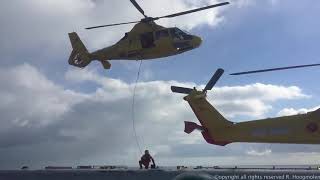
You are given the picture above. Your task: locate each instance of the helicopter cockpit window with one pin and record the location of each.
(162, 33)
(176, 33)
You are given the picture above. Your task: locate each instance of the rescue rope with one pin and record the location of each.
(132, 108)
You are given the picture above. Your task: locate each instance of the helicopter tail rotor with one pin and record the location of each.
(181, 90)
(80, 57)
(214, 79)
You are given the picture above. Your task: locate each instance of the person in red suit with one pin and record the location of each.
(145, 160)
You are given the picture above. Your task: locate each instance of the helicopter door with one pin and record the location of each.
(134, 47)
(147, 40)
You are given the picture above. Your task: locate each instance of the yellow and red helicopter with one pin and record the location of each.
(146, 40)
(216, 129)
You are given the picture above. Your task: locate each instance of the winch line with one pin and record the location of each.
(132, 108)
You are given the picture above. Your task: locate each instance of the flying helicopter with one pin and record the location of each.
(217, 130)
(146, 40)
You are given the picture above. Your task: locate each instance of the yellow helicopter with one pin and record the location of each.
(146, 40)
(216, 129)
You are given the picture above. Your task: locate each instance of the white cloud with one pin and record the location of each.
(29, 98)
(292, 111)
(75, 121)
(253, 152)
(249, 100)
(252, 100)
(266, 92)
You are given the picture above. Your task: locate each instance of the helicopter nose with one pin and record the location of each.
(196, 41)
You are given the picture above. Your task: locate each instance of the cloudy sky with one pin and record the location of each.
(55, 114)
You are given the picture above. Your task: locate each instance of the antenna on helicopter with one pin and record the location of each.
(209, 86)
(150, 19)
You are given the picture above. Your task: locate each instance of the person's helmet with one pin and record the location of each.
(146, 152)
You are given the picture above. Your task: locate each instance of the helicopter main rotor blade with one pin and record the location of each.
(274, 69)
(94, 27)
(181, 90)
(191, 11)
(138, 7)
(214, 79)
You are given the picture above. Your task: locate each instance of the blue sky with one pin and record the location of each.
(49, 107)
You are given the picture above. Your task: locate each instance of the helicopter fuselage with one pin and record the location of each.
(149, 41)
(146, 40)
(294, 129)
